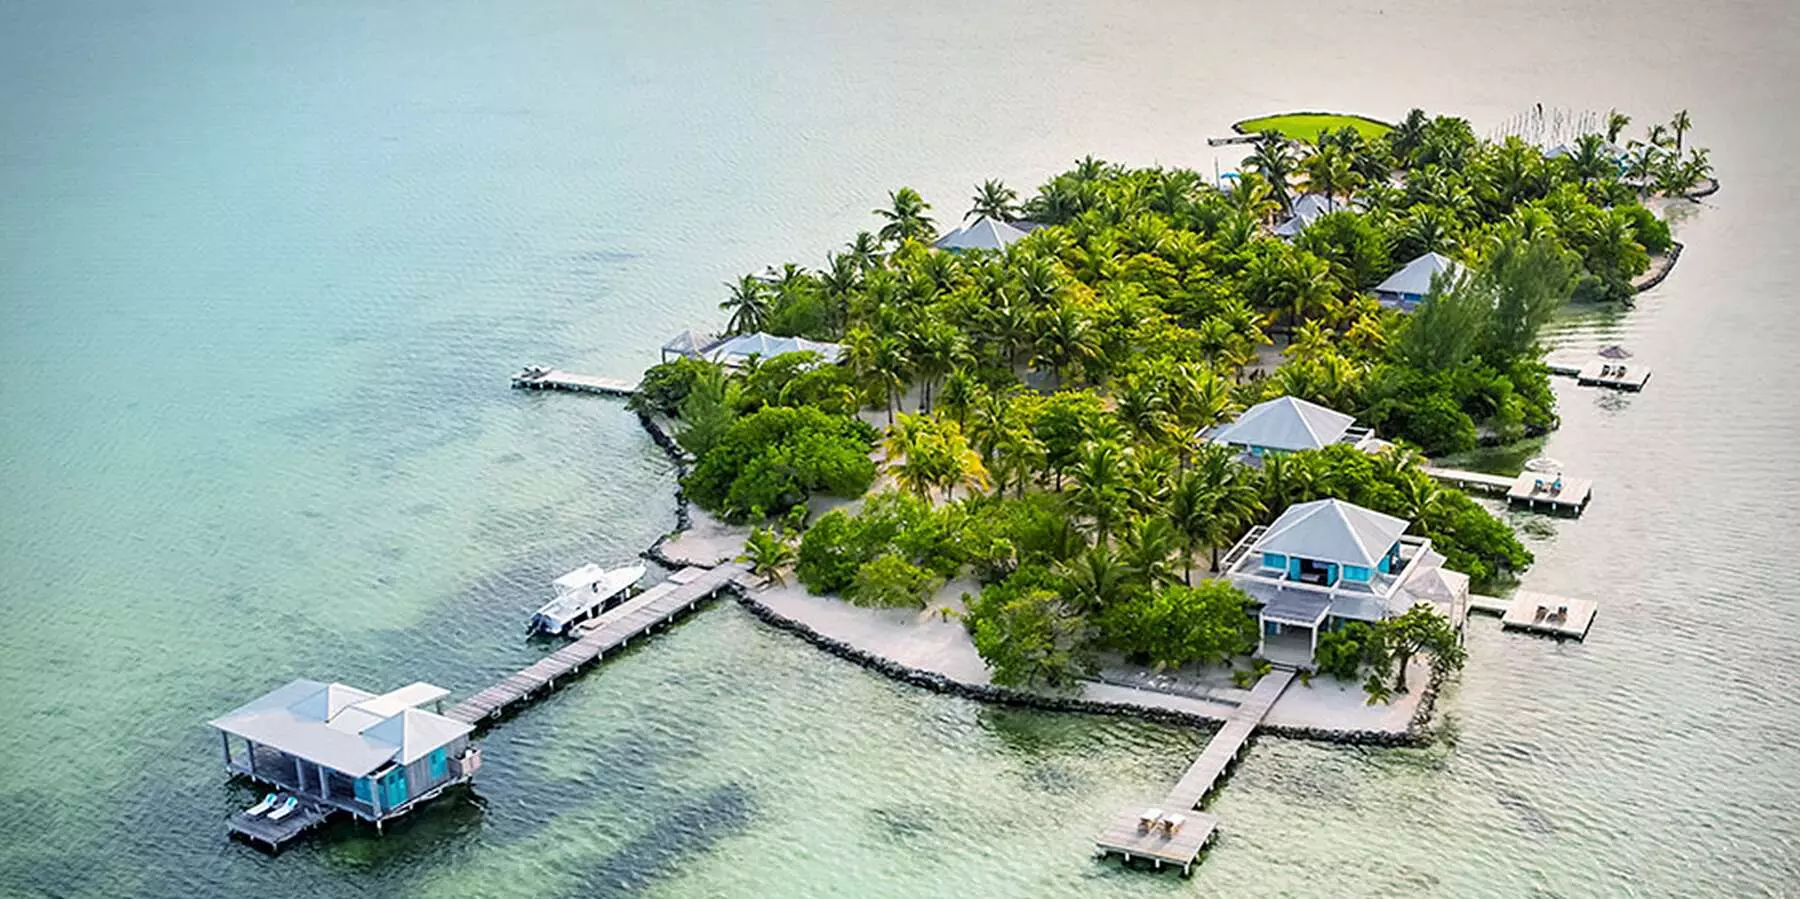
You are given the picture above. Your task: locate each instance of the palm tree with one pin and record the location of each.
(1591, 160)
(1408, 135)
(1421, 500)
(905, 217)
(1145, 550)
(864, 251)
(1190, 512)
(1273, 159)
(891, 368)
(1615, 123)
(1018, 456)
(1100, 488)
(1096, 579)
(1328, 172)
(994, 200)
(1066, 339)
(768, 555)
(1253, 196)
(749, 305)
(1680, 125)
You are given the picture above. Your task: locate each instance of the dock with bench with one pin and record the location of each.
(1540, 613)
(533, 377)
(1177, 831)
(609, 631)
(1532, 489)
(1602, 373)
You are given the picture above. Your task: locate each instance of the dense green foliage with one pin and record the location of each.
(777, 457)
(1384, 649)
(1061, 383)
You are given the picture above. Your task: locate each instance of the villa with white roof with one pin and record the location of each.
(1289, 424)
(1406, 289)
(1327, 562)
(334, 748)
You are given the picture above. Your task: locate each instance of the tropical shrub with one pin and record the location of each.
(778, 457)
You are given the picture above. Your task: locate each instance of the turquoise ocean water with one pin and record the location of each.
(264, 269)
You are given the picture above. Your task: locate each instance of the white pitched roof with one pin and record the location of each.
(1415, 277)
(1306, 210)
(341, 727)
(982, 234)
(768, 346)
(1331, 530)
(1286, 423)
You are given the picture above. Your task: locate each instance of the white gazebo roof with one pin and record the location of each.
(1286, 423)
(1415, 278)
(1331, 530)
(736, 349)
(982, 234)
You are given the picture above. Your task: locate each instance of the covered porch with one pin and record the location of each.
(1288, 624)
(309, 781)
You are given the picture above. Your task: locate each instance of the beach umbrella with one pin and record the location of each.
(1615, 352)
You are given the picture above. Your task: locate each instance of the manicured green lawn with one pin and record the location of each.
(1305, 126)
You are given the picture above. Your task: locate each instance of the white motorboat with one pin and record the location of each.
(583, 593)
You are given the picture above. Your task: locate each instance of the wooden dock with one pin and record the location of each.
(1540, 613)
(1532, 489)
(1605, 373)
(535, 378)
(613, 629)
(273, 835)
(1613, 375)
(1132, 836)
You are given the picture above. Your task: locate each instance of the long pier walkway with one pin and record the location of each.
(536, 378)
(1146, 834)
(612, 630)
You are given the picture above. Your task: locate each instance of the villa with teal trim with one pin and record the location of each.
(1288, 424)
(1327, 562)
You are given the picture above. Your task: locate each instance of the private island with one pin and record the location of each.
(1142, 443)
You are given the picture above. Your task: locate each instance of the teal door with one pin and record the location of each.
(440, 765)
(393, 789)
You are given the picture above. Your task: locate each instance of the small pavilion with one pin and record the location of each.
(1307, 210)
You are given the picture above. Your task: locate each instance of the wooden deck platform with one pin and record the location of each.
(273, 835)
(1522, 489)
(1573, 497)
(612, 629)
(1128, 837)
(1522, 614)
(534, 378)
(1627, 376)
(1589, 374)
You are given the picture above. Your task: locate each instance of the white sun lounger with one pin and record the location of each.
(285, 809)
(268, 802)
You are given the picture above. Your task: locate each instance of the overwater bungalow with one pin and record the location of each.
(331, 748)
(1406, 289)
(1327, 562)
(1289, 424)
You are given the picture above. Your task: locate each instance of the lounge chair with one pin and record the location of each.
(268, 802)
(1537, 486)
(1542, 613)
(285, 809)
(1172, 824)
(1562, 613)
(1150, 819)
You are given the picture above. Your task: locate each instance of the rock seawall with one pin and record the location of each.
(1414, 735)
